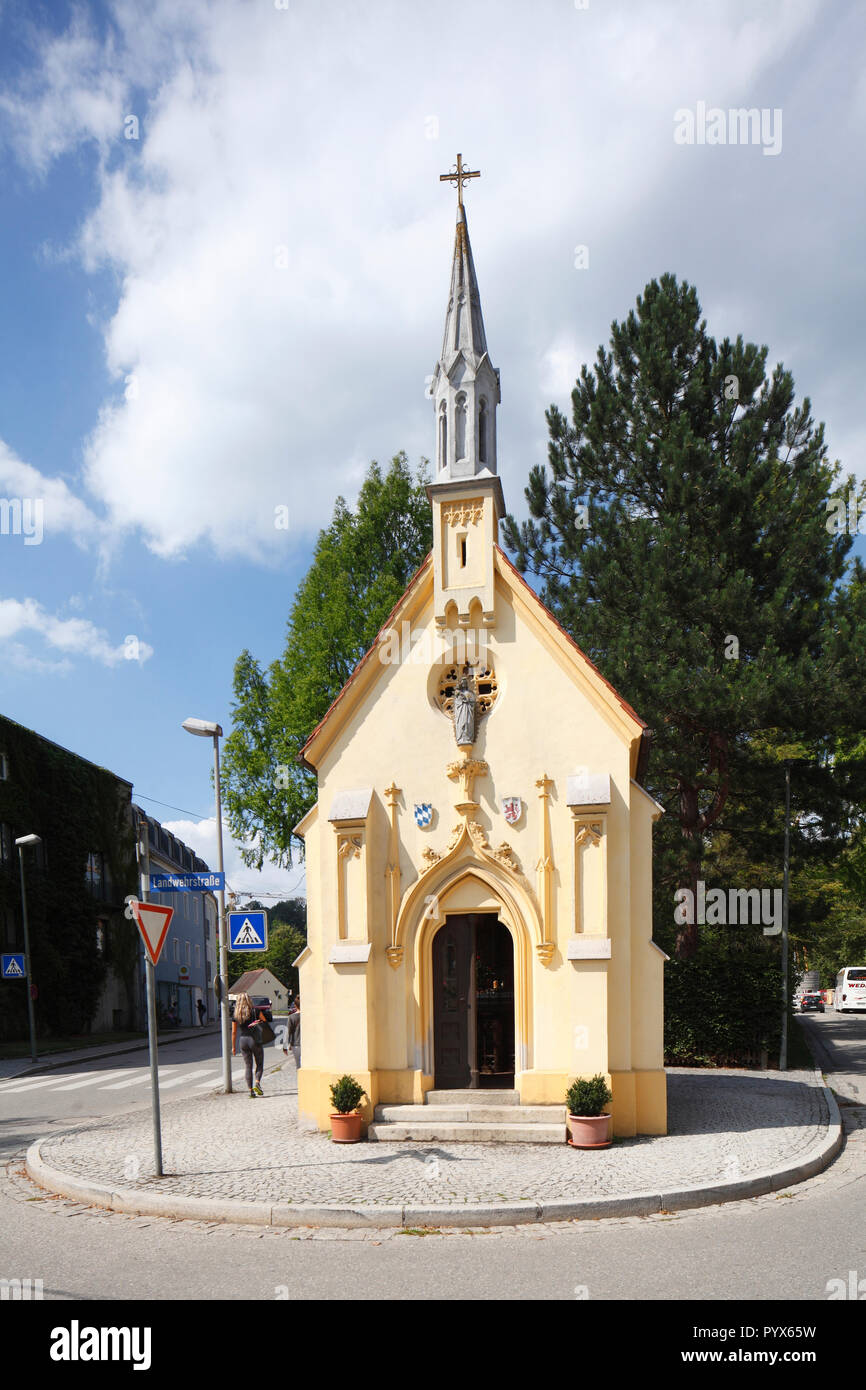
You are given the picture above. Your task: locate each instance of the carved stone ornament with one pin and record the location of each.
(467, 513)
(588, 834)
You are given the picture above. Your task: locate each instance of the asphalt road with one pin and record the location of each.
(31, 1106)
(782, 1246)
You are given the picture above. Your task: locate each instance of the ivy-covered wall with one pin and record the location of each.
(78, 809)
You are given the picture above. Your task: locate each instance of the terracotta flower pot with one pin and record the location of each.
(346, 1129)
(589, 1131)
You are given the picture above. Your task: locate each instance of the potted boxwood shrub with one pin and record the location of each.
(346, 1096)
(590, 1127)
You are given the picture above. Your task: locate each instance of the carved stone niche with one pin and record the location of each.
(588, 798)
(349, 815)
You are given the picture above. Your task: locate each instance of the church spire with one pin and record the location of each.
(465, 383)
(467, 493)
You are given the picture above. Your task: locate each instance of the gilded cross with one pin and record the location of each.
(458, 176)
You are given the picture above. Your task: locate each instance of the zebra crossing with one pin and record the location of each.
(123, 1078)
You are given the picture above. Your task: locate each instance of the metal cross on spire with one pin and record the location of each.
(458, 176)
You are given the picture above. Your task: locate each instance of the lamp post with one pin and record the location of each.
(783, 1049)
(202, 728)
(21, 843)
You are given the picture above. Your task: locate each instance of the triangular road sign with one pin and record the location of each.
(247, 936)
(153, 920)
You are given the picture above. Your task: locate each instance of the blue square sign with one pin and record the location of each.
(248, 931)
(14, 966)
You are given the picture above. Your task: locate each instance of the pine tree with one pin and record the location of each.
(683, 537)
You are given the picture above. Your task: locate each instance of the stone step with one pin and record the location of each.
(473, 1098)
(466, 1114)
(475, 1131)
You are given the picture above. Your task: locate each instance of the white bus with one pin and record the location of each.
(850, 993)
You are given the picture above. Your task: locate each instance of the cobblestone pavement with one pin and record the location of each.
(15, 1185)
(724, 1125)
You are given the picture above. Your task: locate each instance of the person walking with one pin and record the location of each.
(243, 1025)
(201, 1011)
(295, 1022)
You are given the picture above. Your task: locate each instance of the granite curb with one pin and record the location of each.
(133, 1201)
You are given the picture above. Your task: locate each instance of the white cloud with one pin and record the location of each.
(20, 658)
(272, 133)
(271, 881)
(73, 636)
(64, 514)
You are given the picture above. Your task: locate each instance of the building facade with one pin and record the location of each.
(188, 963)
(83, 952)
(479, 859)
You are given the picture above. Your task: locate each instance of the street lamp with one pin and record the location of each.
(22, 842)
(203, 728)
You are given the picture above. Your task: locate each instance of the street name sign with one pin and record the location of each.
(153, 921)
(14, 967)
(187, 883)
(248, 931)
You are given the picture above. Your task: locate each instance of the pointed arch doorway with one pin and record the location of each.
(473, 1003)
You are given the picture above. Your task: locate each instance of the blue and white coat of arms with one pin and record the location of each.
(423, 813)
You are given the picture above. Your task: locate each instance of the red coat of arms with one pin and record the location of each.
(512, 807)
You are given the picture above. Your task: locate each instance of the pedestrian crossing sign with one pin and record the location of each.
(248, 931)
(14, 967)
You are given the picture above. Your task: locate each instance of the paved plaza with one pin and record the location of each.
(725, 1127)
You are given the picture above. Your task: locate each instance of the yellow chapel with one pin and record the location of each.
(479, 859)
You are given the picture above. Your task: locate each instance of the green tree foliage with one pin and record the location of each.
(681, 535)
(361, 565)
(723, 1006)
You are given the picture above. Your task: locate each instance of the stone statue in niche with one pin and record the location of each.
(464, 713)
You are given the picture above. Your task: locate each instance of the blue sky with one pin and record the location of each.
(237, 308)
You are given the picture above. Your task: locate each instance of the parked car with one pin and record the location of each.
(812, 999)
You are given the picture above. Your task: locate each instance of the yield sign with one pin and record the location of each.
(153, 920)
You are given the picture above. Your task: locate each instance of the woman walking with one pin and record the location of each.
(244, 1024)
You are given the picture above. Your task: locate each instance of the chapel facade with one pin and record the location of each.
(479, 859)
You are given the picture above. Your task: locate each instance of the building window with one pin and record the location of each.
(197, 956)
(482, 431)
(94, 874)
(443, 435)
(6, 844)
(460, 427)
(187, 952)
(100, 937)
(175, 950)
(4, 768)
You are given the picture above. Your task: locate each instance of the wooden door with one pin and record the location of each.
(453, 1004)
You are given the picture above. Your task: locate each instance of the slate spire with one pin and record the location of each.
(465, 383)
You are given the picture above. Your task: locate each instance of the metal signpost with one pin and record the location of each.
(153, 922)
(205, 728)
(783, 1049)
(22, 842)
